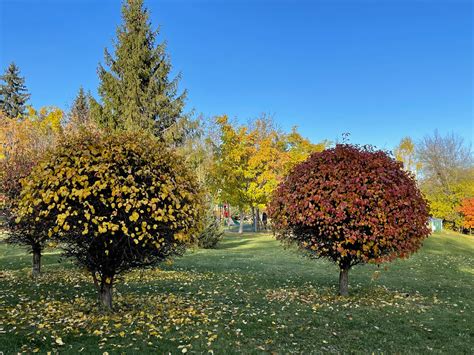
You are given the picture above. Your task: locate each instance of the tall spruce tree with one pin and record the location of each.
(136, 88)
(13, 92)
(80, 111)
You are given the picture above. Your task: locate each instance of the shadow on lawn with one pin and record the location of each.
(233, 244)
(254, 241)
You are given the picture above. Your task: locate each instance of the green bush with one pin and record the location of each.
(212, 232)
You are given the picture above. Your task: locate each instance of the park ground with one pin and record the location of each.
(249, 295)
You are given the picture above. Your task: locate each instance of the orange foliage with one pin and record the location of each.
(23, 142)
(467, 209)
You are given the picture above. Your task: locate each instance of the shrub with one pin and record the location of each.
(351, 205)
(212, 233)
(114, 201)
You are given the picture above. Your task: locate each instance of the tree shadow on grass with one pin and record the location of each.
(237, 243)
(253, 243)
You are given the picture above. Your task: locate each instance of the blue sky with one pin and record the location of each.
(380, 70)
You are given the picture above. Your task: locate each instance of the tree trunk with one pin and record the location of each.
(36, 262)
(258, 219)
(254, 216)
(344, 282)
(106, 296)
(241, 221)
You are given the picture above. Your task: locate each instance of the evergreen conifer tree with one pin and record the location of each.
(80, 111)
(135, 88)
(13, 92)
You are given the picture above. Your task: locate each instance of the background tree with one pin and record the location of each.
(251, 160)
(80, 111)
(230, 177)
(198, 150)
(467, 210)
(199, 156)
(405, 152)
(13, 92)
(25, 142)
(298, 149)
(447, 175)
(351, 205)
(136, 89)
(115, 201)
(266, 164)
(444, 158)
(274, 155)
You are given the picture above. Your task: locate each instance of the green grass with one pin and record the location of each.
(248, 296)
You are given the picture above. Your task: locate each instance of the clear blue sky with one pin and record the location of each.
(380, 70)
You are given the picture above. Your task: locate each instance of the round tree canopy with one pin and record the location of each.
(114, 201)
(352, 205)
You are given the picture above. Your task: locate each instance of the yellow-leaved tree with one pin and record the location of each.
(114, 201)
(251, 160)
(230, 179)
(406, 153)
(447, 175)
(274, 155)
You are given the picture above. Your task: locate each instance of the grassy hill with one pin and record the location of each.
(250, 295)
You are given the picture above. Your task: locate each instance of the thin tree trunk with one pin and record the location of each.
(106, 296)
(258, 219)
(254, 217)
(241, 221)
(344, 282)
(36, 262)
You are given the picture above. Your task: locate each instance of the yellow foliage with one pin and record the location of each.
(24, 142)
(92, 184)
(405, 153)
(252, 160)
(134, 217)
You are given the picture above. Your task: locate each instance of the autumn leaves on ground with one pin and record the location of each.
(248, 295)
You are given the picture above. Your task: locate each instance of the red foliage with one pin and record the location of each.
(467, 209)
(352, 205)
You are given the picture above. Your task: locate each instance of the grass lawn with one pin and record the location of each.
(248, 296)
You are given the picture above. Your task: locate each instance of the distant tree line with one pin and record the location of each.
(445, 171)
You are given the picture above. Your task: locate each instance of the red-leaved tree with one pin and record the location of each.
(352, 205)
(467, 210)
